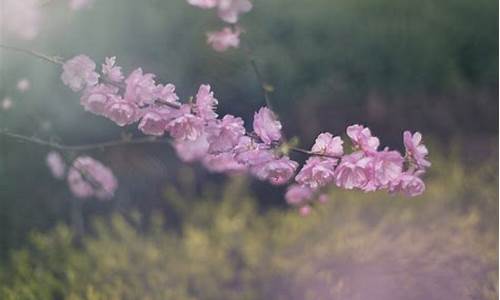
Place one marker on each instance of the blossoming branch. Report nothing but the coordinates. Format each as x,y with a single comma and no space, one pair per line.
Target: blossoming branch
223,144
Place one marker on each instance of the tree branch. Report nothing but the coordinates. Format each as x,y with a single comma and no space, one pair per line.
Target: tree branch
59,61
84,147
51,59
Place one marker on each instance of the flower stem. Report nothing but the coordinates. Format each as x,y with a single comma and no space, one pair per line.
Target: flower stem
307,152
264,86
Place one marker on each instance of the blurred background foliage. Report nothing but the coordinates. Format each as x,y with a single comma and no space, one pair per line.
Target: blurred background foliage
442,245
423,65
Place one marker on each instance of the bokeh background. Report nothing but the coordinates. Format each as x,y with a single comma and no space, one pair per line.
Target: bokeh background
175,231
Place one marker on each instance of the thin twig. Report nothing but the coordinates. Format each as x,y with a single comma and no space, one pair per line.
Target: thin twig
300,150
54,60
304,151
264,86
84,147
113,143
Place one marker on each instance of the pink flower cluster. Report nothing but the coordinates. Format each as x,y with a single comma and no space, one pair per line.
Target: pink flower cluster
222,144
86,177
228,11
367,168
224,39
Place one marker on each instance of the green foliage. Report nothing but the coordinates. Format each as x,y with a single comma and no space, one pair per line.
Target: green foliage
442,245
396,47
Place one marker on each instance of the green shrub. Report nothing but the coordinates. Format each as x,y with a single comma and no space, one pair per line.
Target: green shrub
442,245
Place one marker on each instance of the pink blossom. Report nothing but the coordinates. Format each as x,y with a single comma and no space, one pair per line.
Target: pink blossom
225,134
122,112
276,171
20,18
23,85
141,88
251,153
327,144
229,10
297,194
205,103
96,98
224,39
167,93
78,186
305,210
156,117
192,150
415,149
89,178
110,71
362,138
223,162
386,166
267,126
409,184
353,171
317,172
185,127
205,4
56,164
152,123
79,72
